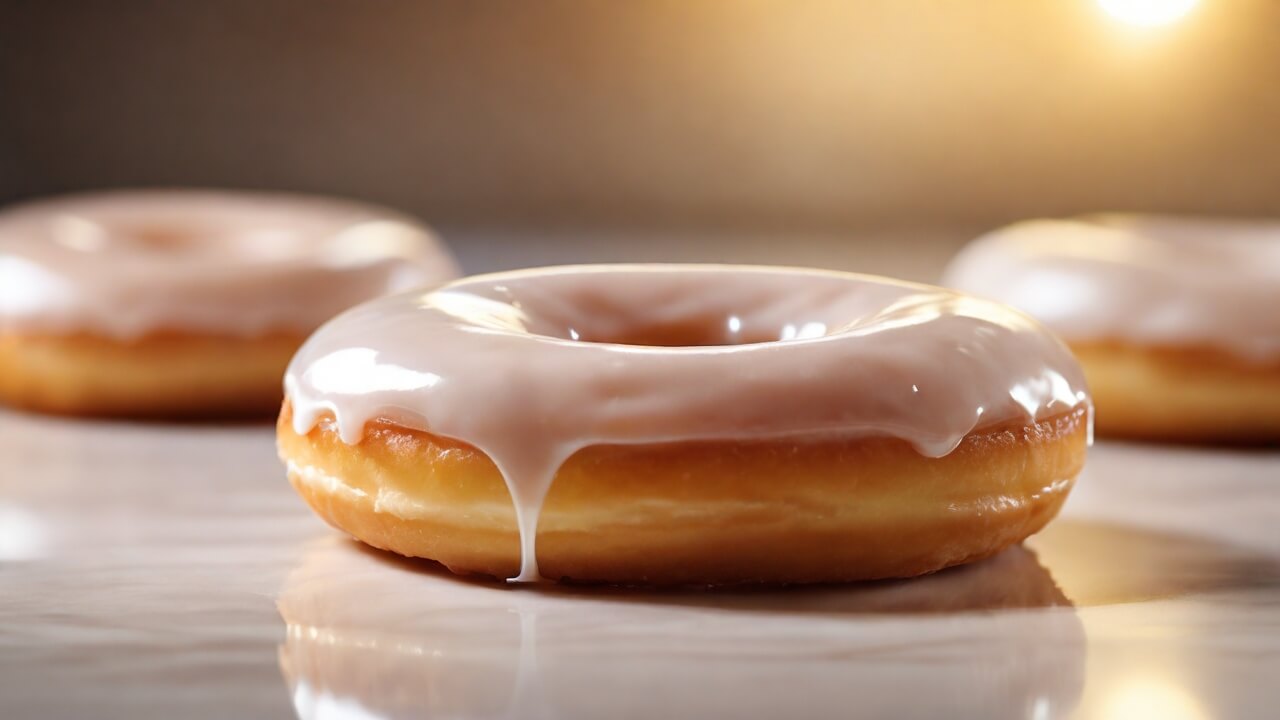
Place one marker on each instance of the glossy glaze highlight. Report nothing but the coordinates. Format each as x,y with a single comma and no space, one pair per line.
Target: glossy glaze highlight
1150,280
532,366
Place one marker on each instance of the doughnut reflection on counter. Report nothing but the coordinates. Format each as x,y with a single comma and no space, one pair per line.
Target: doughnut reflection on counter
369,636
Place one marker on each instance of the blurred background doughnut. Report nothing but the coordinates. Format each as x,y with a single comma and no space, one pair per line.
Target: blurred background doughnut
186,303
1176,320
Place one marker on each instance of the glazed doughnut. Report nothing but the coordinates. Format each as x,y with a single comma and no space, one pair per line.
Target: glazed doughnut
1176,321
184,303
685,425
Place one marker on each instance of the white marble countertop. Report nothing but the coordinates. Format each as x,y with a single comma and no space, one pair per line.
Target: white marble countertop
170,571
153,571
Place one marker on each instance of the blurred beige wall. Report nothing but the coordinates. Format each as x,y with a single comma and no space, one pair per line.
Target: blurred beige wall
778,113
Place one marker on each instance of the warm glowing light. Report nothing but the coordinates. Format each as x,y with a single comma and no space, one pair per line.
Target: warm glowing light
1151,699
1147,13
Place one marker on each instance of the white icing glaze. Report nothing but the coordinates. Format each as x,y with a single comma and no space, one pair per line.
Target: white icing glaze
126,263
530,366
1146,279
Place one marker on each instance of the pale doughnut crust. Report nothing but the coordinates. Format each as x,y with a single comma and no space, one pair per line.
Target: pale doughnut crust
170,375
697,513
1195,394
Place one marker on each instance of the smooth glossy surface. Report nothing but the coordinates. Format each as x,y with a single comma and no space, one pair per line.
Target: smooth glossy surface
128,263
147,571
158,571
532,366
1152,280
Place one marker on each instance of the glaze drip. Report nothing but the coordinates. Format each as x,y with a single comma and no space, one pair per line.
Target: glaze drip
532,366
